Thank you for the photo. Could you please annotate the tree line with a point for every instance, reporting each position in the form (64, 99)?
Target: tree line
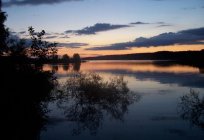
(37, 49)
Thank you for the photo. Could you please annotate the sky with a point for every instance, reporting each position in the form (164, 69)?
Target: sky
(103, 27)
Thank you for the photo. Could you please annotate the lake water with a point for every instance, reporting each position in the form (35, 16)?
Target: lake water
(155, 114)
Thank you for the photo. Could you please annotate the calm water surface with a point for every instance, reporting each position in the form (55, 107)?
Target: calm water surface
(155, 114)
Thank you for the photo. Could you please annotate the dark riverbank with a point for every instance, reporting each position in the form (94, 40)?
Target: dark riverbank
(192, 58)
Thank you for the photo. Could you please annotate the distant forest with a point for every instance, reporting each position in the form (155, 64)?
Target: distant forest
(162, 55)
(193, 58)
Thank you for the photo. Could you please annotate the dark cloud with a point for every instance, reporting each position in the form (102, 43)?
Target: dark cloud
(13, 32)
(50, 37)
(33, 2)
(13, 39)
(145, 23)
(23, 32)
(196, 32)
(88, 55)
(48, 33)
(139, 23)
(72, 45)
(185, 37)
(160, 22)
(99, 27)
(66, 36)
(164, 25)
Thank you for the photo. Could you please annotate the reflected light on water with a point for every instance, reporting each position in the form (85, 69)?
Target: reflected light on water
(160, 84)
(132, 66)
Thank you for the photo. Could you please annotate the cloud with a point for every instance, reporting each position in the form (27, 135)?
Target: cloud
(165, 25)
(13, 39)
(139, 23)
(50, 37)
(66, 36)
(88, 55)
(33, 2)
(161, 24)
(72, 45)
(99, 27)
(185, 37)
(23, 32)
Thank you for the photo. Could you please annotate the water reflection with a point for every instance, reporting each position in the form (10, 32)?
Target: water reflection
(76, 67)
(191, 108)
(162, 72)
(55, 68)
(139, 66)
(65, 67)
(62, 69)
(90, 99)
(201, 70)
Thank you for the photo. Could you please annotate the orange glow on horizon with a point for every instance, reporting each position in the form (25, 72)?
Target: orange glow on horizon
(89, 53)
(137, 67)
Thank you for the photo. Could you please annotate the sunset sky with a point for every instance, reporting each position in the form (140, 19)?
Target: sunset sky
(101, 27)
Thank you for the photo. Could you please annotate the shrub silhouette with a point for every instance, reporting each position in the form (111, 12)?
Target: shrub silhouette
(76, 58)
(40, 48)
(65, 58)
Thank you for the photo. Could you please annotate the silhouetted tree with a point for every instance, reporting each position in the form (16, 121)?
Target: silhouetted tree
(76, 58)
(54, 58)
(17, 48)
(39, 48)
(65, 58)
(3, 32)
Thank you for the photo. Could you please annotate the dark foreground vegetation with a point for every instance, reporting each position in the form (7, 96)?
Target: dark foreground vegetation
(25, 88)
(25, 92)
(33, 50)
